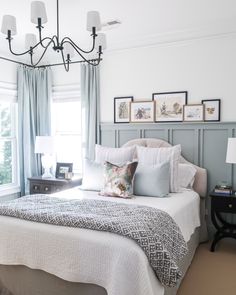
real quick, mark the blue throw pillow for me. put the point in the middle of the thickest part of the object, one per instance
(152, 181)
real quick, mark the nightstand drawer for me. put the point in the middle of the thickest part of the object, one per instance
(224, 205)
(46, 189)
(35, 188)
(39, 185)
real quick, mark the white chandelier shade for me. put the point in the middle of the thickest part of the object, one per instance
(68, 49)
(38, 10)
(9, 23)
(30, 40)
(66, 46)
(101, 41)
(93, 20)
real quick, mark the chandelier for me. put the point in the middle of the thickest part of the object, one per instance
(65, 46)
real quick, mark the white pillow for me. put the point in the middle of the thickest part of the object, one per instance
(186, 175)
(93, 178)
(118, 156)
(154, 156)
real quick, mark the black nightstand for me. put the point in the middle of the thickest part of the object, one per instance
(222, 204)
(39, 185)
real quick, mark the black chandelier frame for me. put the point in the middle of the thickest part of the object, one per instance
(58, 46)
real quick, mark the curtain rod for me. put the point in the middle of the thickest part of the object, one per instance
(44, 66)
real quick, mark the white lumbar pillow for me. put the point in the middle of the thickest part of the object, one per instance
(154, 156)
(92, 176)
(118, 156)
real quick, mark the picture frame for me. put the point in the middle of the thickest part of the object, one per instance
(212, 110)
(62, 169)
(169, 106)
(193, 113)
(142, 111)
(122, 109)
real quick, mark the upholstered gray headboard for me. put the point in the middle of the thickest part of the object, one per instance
(200, 183)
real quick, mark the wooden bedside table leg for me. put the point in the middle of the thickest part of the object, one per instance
(218, 236)
(215, 241)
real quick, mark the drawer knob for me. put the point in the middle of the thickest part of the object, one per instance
(230, 206)
(35, 187)
(46, 188)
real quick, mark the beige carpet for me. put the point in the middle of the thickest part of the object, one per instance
(212, 273)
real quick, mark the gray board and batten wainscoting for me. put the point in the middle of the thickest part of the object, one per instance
(203, 144)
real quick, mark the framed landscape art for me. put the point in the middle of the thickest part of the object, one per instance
(122, 109)
(142, 112)
(212, 109)
(169, 106)
(194, 113)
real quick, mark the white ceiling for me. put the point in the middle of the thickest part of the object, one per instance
(144, 22)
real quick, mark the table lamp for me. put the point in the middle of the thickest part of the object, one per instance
(45, 145)
(231, 151)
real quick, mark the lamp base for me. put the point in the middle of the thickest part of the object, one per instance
(47, 161)
(47, 173)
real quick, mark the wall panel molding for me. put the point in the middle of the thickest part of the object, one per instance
(203, 144)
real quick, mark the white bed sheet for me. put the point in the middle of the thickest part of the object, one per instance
(116, 263)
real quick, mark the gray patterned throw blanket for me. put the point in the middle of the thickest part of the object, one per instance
(152, 229)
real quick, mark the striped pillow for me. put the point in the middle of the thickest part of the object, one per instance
(154, 156)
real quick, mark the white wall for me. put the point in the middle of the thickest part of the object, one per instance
(205, 68)
(61, 77)
(8, 72)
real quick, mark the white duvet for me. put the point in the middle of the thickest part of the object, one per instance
(116, 263)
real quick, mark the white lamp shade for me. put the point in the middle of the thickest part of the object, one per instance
(38, 10)
(9, 23)
(93, 20)
(231, 151)
(101, 41)
(30, 41)
(44, 145)
(68, 49)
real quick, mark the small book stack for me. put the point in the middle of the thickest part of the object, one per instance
(223, 189)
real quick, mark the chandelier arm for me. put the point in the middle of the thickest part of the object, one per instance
(18, 54)
(44, 39)
(31, 49)
(70, 41)
(89, 62)
(66, 65)
(31, 59)
(45, 50)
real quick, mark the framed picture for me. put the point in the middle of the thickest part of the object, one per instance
(142, 111)
(212, 109)
(122, 109)
(169, 106)
(62, 169)
(194, 113)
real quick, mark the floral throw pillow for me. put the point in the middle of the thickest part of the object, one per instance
(118, 180)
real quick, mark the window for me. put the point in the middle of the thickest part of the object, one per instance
(66, 126)
(8, 148)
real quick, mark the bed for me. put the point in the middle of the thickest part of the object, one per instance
(37, 261)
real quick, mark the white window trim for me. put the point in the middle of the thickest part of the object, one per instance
(9, 190)
(8, 93)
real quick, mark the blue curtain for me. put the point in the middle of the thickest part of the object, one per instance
(34, 118)
(90, 98)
